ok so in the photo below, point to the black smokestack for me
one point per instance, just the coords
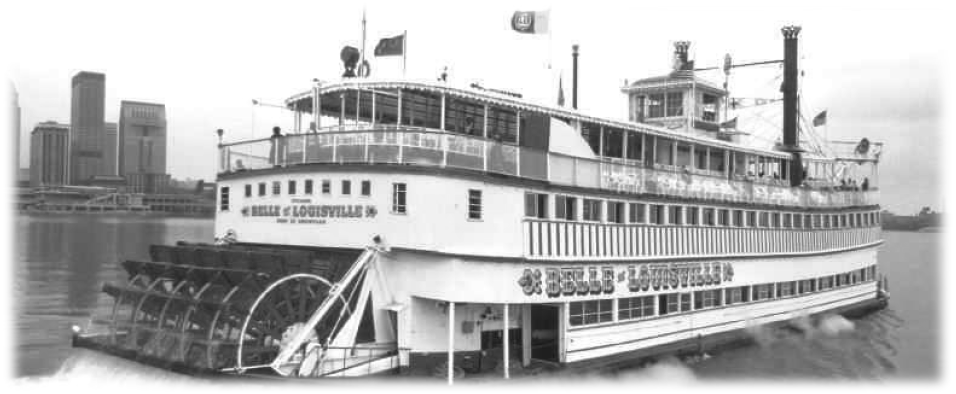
(791, 141)
(574, 77)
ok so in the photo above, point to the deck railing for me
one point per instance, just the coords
(423, 147)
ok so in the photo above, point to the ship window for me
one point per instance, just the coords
(685, 299)
(592, 135)
(536, 205)
(657, 214)
(386, 106)
(723, 217)
(709, 108)
(635, 307)
(248, 190)
(738, 218)
(346, 187)
(764, 219)
(693, 216)
(808, 221)
(308, 186)
(464, 117)
(708, 216)
(291, 187)
(613, 142)
(398, 198)
(787, 220)
(590, 312)
(675, 104)
(844, 220)
(635, 145)
(716, 160)
(564, 208)
(637, 213)
(761, 292)
(776, 220)
(592, 210)
(683, 155)
(785, 289)
(655, 105)
(674, 214)
(502, 125)
(276, 188)
(736, 295)
(474, 204)
(797, 220)
(224, 198)
(751, 219)
(366, 188)
(615, 212)
(326, 186)
(700, 157)
(262, 188)
(707, 299)
(421, 109)
(663, 153)
(668, 303)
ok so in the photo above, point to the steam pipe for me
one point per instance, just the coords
(791, 139)
(574, 77)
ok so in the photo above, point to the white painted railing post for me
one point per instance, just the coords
(507, 326)
(451, 343)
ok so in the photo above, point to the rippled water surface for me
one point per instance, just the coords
(63, 261)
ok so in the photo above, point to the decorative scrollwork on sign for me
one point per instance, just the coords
(530, 281)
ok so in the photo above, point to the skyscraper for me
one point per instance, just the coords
(142, 153)
(49, 159)
(110, 149)
(87, 130)
(15, 127)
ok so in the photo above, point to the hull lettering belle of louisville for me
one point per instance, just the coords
(310, 211)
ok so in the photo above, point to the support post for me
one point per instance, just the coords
(451, 343)
(507, 339)
(526, 335)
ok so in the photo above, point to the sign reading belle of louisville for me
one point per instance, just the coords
(309, 213)
(639, 278)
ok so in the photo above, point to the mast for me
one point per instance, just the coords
(791, 139)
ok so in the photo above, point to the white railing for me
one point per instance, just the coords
(417, 146)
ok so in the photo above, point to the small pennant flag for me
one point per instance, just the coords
(531, 22)
(820, 119)
(392, 46)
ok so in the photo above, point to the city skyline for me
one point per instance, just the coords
(215, 90)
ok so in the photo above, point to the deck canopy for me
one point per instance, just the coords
(509, 118)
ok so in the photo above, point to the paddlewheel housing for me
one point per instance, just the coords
(203, 308)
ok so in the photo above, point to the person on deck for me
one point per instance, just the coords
(276, 149)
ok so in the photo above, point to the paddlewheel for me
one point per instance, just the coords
(206, 308)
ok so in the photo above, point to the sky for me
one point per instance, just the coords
(875, 67)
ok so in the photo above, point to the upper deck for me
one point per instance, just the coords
(434, 125)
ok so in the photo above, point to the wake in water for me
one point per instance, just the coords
(84, 368)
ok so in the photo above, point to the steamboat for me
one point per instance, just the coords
(443, 230)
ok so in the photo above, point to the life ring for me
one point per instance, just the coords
(364, 69)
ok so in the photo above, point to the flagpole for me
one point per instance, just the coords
(362, 60)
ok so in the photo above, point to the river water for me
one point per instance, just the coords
(63, 260)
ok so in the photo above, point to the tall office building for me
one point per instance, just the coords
(110, 149)
(49, 159)
(142, 153)
(87, 129)
(15, 127)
